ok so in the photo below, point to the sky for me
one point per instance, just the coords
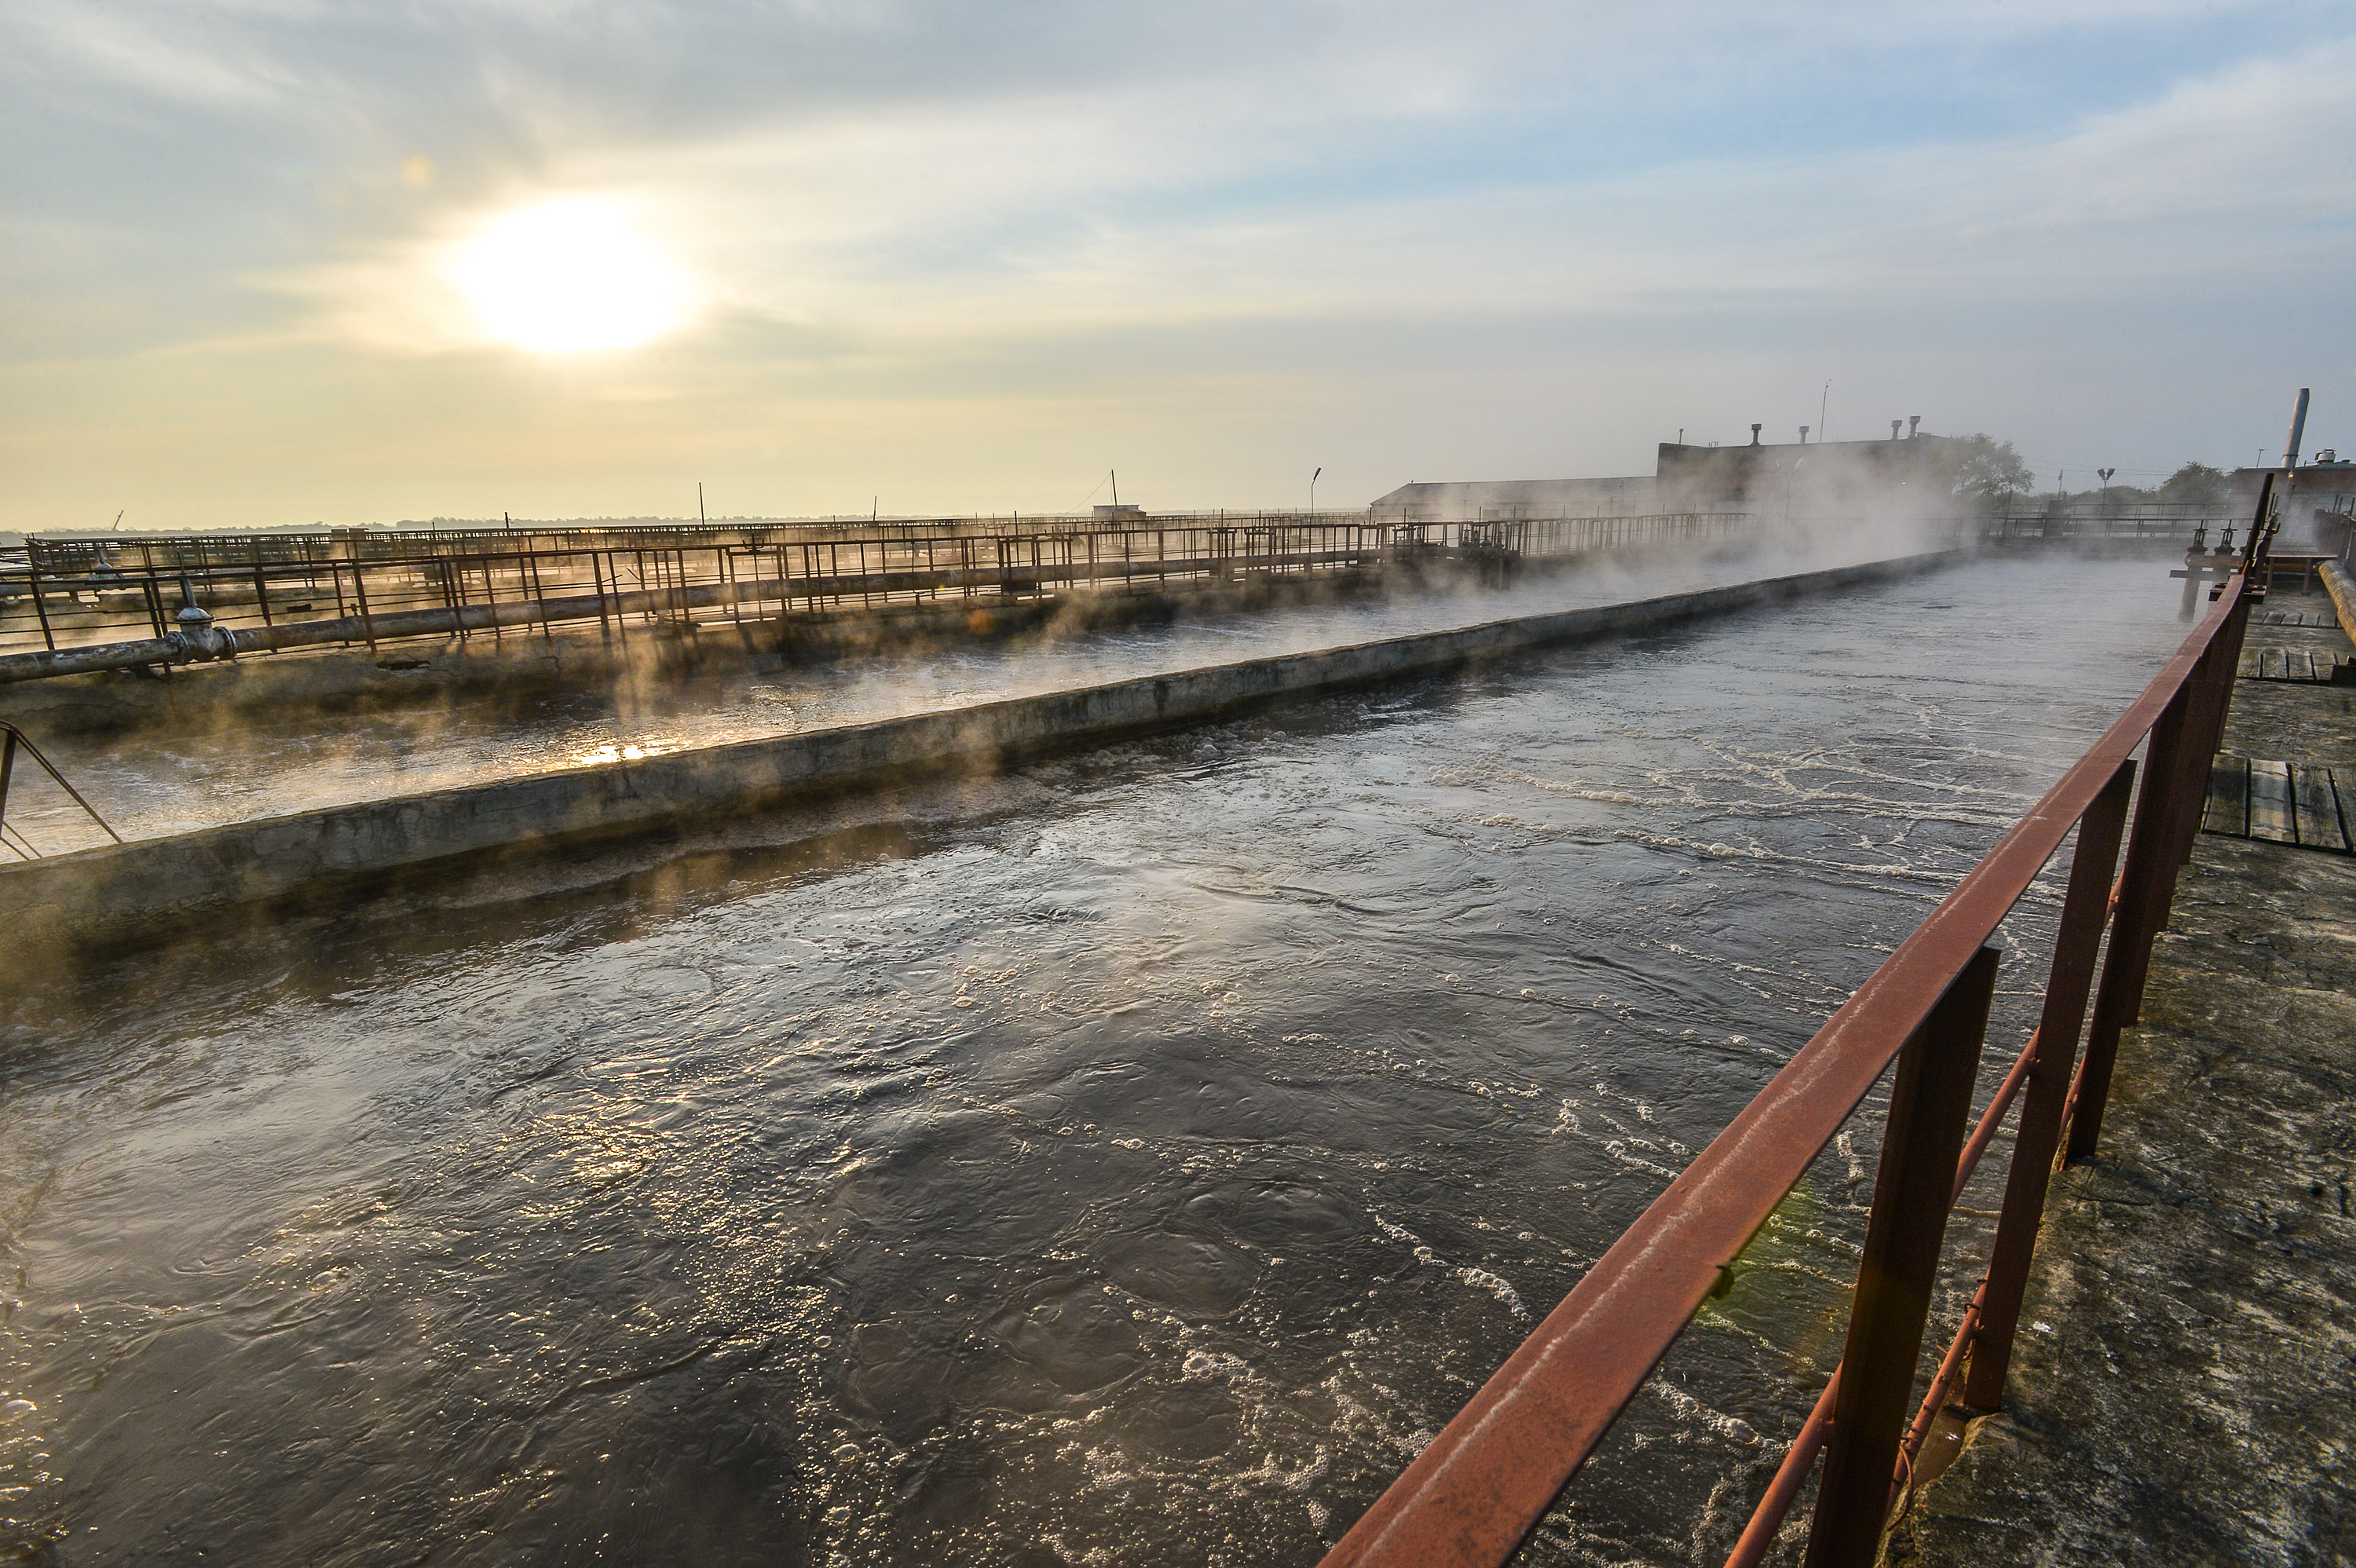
(281, 262)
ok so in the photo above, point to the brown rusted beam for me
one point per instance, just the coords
(1911, 1196)
(2133, 929)
(2085, 909)
(1759, 1534)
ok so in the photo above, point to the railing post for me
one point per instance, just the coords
(360, 592)
(2167, 822)
(2214, 705)
(1912, 1192)
(7, 766)
(2085, 908)
(40, 610)
(2149, 853)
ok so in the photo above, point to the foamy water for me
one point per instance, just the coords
(1136, 1164)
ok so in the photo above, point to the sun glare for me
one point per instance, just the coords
(570, 276)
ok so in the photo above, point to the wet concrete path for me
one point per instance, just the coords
(2187, 1390)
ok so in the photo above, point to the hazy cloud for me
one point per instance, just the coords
(966, 207)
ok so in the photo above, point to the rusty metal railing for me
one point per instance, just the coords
(1474, 1494)
(79, 606)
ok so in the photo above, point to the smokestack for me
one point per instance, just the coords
(1893, 428)
(1754, 429)
(2297, 432)
(1803, 435)
(1912, 423)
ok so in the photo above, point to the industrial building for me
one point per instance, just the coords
(1759, 476)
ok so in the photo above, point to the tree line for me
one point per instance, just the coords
(1993, 473)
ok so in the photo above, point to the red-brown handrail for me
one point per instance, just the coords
(1471, 1497)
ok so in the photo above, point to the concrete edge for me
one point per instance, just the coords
(272, 856)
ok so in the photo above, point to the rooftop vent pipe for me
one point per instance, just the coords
(1893, 428)
(1913, 421)
(1754, 435)
(1803, 435)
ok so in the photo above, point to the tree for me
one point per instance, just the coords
(2195, 484)
(1983, 469)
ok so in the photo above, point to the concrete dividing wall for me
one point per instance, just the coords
(273, 857)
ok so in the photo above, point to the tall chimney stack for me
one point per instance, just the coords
(1803, 435)
(2297, 432)
(1893, 428)
(1913, 423)
(1755, 433)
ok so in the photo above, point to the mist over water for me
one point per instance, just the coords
(1136, 1163)
(208, 766)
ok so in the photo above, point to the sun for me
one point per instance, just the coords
(566, 277)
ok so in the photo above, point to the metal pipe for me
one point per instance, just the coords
(1901, 1482)
(1790, 1477)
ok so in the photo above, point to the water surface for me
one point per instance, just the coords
(1131, 1161)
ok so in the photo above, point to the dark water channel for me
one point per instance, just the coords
(1133, 1165)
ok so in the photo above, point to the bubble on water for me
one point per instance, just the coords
(1200, 1364)
(1496, 1285)
(1689, 1409)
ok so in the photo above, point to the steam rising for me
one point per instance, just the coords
(230, 744)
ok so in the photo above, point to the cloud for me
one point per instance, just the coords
(1021, 212)
(1097, 207)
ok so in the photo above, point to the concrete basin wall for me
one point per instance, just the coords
(273, 857)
